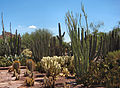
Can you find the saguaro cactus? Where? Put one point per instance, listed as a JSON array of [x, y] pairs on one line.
[[60, 38]]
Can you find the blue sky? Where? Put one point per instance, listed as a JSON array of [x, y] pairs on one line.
[[28, 15]]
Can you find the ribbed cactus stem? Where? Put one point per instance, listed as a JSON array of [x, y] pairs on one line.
[[60, 38]]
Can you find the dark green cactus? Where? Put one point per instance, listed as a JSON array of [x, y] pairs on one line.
[[60, 38], [84, 48]]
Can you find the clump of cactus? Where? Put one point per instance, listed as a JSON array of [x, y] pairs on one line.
[[64, 61], [30, 80], [65, 71], [51, 66], [16, 69], [48, 82], [16, 66], [27, 53], [30, 65]]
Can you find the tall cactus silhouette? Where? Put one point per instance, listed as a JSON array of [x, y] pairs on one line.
[[60, 38], [84, 47]]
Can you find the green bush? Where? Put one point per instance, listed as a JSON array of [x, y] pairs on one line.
[[105, 73], [4, 62]]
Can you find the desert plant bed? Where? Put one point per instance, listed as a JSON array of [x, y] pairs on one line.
[[7, 81]]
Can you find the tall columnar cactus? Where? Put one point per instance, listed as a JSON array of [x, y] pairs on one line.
[[11, 47], [15, 43], [60, 38], [84, 46], [52, 46]]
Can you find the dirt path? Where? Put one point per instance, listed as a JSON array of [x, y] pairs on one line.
[[7, 81]]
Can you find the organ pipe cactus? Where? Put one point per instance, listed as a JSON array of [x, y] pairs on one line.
[[84, 46]]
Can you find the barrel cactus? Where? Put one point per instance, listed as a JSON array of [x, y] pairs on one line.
[[16, 66], [30, 65]]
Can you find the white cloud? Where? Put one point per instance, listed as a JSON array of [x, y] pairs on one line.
[[32, 27]]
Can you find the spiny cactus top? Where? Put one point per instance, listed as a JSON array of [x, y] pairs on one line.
[[16, 65], [30, 64]]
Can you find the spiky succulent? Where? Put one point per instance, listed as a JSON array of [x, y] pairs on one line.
[[51, 66], [16, 66], [27, 53], [30, 65]]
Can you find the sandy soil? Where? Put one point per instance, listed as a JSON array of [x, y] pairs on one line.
[[7, 81]]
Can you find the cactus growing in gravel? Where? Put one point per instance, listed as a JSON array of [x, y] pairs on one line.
[[48, 82], [30, 65], [51, 66], [16, 66], [30, 80]]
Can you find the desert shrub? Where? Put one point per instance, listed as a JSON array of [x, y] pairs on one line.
[[71, 65], [4, 62], [104, 73], [36, 40]]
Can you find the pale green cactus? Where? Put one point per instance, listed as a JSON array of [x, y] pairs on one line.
[[51, 66]]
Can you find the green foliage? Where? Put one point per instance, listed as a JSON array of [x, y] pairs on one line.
[[38, 42], [39, 67], [80, 46], [105, 73], [4, 62], [2, 48]]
